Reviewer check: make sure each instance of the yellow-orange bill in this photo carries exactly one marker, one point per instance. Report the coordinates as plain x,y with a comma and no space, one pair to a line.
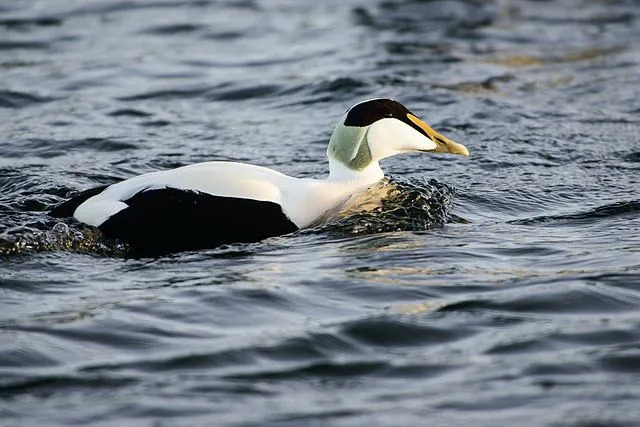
443,144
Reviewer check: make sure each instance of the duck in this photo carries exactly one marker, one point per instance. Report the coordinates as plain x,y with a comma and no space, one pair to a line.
209,204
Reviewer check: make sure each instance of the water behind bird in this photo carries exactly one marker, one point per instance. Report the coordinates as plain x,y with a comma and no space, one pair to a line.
514,297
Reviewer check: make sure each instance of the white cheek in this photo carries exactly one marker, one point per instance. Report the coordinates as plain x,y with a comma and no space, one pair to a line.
391,136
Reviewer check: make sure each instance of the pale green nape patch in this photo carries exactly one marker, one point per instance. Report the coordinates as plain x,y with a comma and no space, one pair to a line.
349,146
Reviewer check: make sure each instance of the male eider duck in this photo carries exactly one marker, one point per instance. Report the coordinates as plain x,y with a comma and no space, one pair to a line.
208,204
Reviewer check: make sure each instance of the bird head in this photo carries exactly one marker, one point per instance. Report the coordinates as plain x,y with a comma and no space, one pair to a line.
378,128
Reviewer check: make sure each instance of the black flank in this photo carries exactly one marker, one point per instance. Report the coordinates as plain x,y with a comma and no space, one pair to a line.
162,221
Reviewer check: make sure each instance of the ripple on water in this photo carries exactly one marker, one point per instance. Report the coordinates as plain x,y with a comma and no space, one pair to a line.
15,99
514,297
47,385
24,23
173,29
397,333
626,209
562,297
129,112
49,148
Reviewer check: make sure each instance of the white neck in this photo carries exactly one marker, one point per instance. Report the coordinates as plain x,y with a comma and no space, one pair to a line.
341,173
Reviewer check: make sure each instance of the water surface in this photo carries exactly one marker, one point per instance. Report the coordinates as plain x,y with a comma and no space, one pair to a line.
502,289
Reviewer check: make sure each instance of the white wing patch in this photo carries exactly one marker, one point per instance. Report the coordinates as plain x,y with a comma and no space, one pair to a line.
94,211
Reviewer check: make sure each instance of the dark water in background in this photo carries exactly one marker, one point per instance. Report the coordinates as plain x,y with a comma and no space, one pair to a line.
524,309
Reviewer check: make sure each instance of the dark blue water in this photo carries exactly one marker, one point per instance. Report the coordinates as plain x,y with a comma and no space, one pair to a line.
502,289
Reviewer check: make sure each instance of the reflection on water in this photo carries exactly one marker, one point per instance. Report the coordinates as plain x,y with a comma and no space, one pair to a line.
496,288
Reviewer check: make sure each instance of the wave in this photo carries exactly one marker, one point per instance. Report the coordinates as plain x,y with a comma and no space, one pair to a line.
611,210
